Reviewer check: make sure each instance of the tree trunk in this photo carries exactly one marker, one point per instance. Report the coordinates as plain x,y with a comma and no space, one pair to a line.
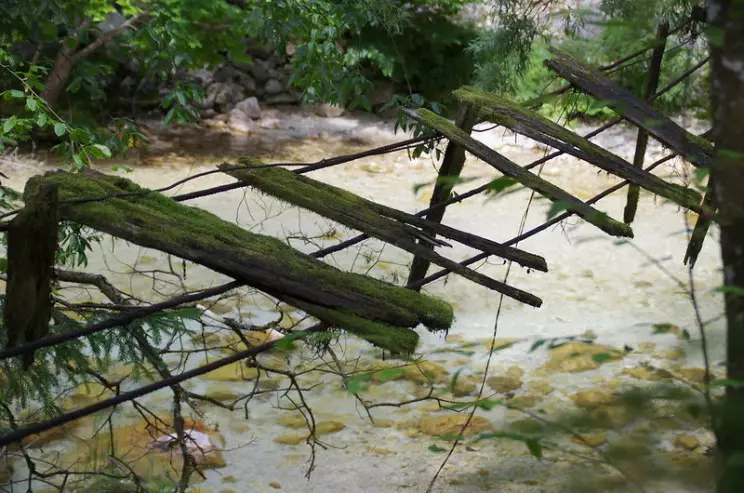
57,80
727,49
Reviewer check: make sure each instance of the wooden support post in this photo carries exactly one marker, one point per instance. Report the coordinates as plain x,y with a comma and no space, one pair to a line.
32,244
701,226
452,164
654,72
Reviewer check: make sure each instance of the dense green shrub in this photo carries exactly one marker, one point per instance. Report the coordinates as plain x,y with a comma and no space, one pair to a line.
427,56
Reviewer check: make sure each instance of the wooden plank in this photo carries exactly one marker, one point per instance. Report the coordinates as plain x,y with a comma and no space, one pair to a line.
366,216
529,180
366,305
696,150
652,83
452,164
541,129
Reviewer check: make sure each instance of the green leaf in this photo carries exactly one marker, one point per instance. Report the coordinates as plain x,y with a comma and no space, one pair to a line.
664,328
78,159
389,374
355,384
3,265
534,447
727,382
537,344
557,207
487,404
453,381
190,313
9,124
500,184
436,448
31,104
100,151
287,342
418,186
16,93
59,129
732,290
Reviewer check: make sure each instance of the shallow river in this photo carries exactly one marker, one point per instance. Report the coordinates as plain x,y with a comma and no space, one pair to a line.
595,287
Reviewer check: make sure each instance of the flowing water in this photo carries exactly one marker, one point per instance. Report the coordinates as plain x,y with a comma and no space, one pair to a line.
596,286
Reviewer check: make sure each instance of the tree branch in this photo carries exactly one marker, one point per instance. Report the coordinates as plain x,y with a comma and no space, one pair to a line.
107,37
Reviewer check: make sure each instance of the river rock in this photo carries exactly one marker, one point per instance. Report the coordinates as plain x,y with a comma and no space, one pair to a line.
150,451
590,399
424,372
229,73
576,357
593,440
250,107
509,382
273,86
648,373
382,92
85,394
257,68
321,428
451,424
240,122
694,375
234,372
225,95
686,442
327,110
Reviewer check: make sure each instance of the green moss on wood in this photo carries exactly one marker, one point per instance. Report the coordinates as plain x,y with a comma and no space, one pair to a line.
533,125
382,222
547,189
156,221
399,341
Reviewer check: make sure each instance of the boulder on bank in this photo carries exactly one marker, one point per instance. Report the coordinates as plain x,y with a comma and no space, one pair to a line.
250,107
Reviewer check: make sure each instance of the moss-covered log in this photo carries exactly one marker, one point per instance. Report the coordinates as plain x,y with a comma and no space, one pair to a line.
529,180
351,301
537,127
382,222
695,149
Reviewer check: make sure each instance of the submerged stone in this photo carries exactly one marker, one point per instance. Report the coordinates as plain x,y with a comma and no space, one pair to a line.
451,425
234,372
576,357
590,399
687,442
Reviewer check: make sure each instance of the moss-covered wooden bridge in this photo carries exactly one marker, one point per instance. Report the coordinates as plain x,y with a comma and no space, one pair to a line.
379,312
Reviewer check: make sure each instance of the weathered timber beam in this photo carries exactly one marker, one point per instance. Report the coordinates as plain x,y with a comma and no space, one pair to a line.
696,150
450,169
535,126
366,216
697,238
155,221
529,180
652,83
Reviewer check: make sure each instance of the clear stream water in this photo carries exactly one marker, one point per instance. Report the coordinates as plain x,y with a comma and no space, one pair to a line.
617,291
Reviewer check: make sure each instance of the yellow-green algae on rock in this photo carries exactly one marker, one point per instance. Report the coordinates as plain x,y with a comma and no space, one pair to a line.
372,309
